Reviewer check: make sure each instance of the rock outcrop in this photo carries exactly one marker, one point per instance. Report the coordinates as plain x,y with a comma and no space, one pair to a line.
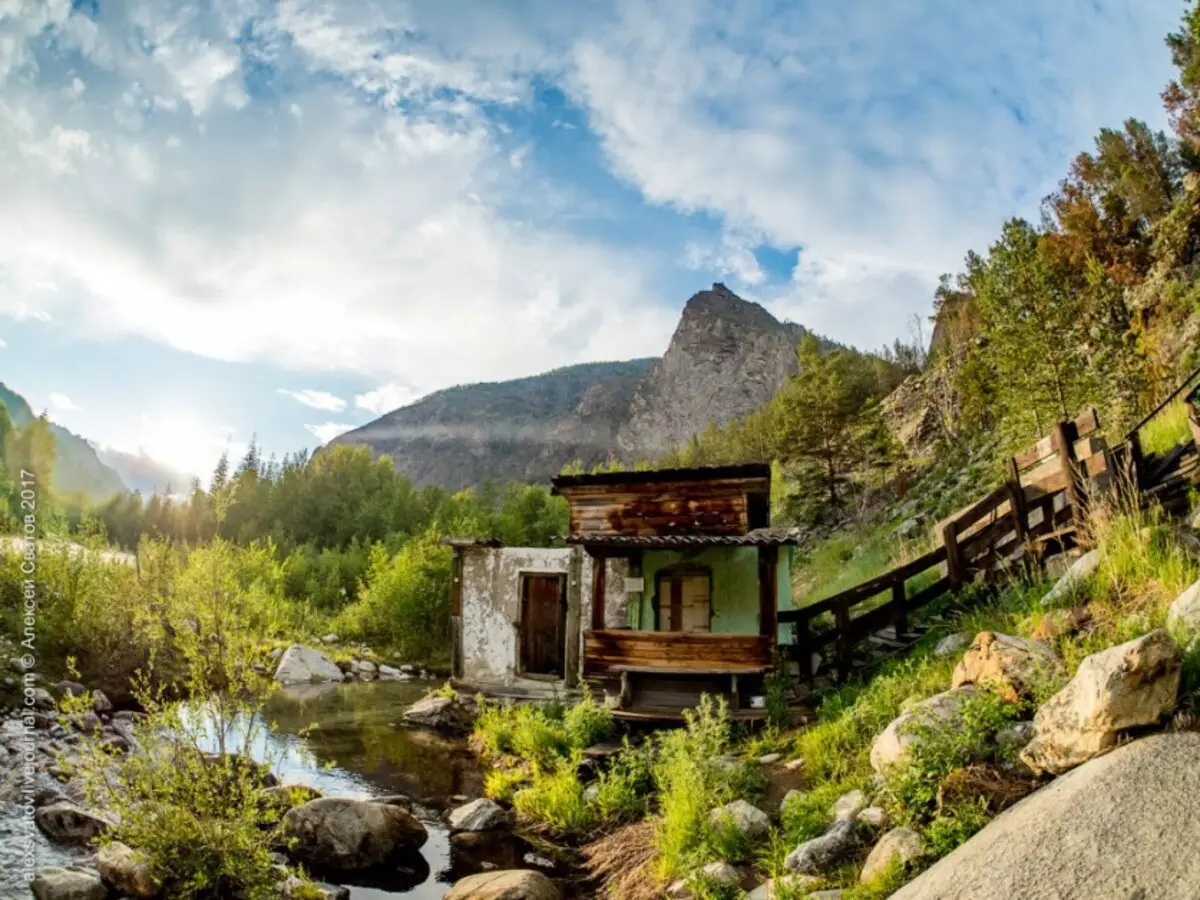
64,821
67,884
1126,686
478,815
1183,618
1009,665
832,847
1118,827
126,871
341,834
750,821
449,714
892,746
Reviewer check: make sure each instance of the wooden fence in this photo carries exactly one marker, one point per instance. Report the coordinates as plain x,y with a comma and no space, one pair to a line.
1038,506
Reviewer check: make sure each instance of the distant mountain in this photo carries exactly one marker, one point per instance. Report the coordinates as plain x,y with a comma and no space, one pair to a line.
727,357
77,468
141,473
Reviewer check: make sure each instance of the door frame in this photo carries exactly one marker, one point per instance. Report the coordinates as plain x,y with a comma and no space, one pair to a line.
523,579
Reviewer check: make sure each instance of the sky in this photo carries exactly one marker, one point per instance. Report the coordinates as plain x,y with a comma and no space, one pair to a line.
277,219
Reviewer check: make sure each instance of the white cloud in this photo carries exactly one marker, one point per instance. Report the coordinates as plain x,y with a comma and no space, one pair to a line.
369,235
322,400
62,403
385,398
885,139
327,431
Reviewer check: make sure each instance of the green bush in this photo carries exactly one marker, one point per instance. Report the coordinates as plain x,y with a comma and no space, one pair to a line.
588,723
404,601
623,790
555,801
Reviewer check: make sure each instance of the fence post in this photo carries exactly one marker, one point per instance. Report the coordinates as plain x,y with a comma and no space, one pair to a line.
899,600
845,647
1064,434
800,640
954,565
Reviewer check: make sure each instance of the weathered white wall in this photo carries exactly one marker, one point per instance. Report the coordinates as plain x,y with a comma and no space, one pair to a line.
491,604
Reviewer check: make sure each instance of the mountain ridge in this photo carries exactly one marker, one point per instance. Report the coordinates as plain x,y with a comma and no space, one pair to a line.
726,357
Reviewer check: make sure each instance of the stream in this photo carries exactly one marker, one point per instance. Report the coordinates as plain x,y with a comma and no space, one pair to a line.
358,749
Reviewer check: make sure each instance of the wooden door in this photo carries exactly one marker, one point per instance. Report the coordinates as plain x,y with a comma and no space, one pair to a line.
687,602
543,624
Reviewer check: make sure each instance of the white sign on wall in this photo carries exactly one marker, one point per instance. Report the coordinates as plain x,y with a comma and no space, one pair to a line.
635,585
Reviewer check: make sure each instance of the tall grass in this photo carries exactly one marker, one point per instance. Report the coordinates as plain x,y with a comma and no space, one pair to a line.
1166,430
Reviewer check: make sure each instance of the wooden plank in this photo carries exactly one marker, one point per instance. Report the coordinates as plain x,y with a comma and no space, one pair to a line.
931,592
985,539
976,511
954,562
574,605
768,605
867,589
1065,433
845,642
599,575
726,669
1082,426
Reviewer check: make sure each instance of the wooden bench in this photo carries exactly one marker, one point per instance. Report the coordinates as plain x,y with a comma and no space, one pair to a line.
733,670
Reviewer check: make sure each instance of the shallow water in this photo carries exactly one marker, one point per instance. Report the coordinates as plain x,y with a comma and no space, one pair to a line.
359,749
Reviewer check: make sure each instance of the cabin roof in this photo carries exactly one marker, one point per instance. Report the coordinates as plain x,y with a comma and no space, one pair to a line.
471,542
759,537
696,473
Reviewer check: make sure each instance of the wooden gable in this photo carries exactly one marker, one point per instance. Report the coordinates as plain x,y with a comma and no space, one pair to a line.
730,500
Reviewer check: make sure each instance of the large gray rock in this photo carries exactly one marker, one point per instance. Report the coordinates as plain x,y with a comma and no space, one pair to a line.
1009,665
512,884
827,850
1119,827
952,644
67,884
293,888
892,746
341,834
71,824
303,665
440,712
126,871
748,819
1183,618
1123,687
849,805
1081,570
478,815
901,844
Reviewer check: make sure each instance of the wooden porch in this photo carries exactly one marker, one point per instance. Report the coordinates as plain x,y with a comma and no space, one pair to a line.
655,675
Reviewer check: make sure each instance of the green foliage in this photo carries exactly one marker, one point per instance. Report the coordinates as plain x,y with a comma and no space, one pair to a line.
405,599
954,824
555,801
623,790
778,694
1166,430
502,784
913,790
588,723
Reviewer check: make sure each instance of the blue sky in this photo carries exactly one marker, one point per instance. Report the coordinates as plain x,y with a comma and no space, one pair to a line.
284,217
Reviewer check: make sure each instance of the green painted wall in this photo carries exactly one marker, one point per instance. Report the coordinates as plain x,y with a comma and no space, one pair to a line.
735,587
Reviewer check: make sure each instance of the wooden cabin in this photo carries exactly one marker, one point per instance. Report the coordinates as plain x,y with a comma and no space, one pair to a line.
706,579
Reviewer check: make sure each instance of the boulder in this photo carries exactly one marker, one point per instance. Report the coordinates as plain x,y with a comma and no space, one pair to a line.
1126,686
126,871
832,847
512,884
367,666
342,834
1183,618
329,639
478,815
873,816
1081,570
388,672
100,702
721,873
294,888
1011,665
1118,827
70,824
903,844
439,711
952,644
69,689
303,665
849,805
67,884
748,819
770,759
892,746
43,699
790,797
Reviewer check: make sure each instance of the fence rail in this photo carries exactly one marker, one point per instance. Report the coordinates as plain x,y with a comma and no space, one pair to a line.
1037,507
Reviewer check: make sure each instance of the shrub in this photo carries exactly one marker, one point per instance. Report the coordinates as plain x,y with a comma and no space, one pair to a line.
501,785
914,789
623,790
588,723
554,801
